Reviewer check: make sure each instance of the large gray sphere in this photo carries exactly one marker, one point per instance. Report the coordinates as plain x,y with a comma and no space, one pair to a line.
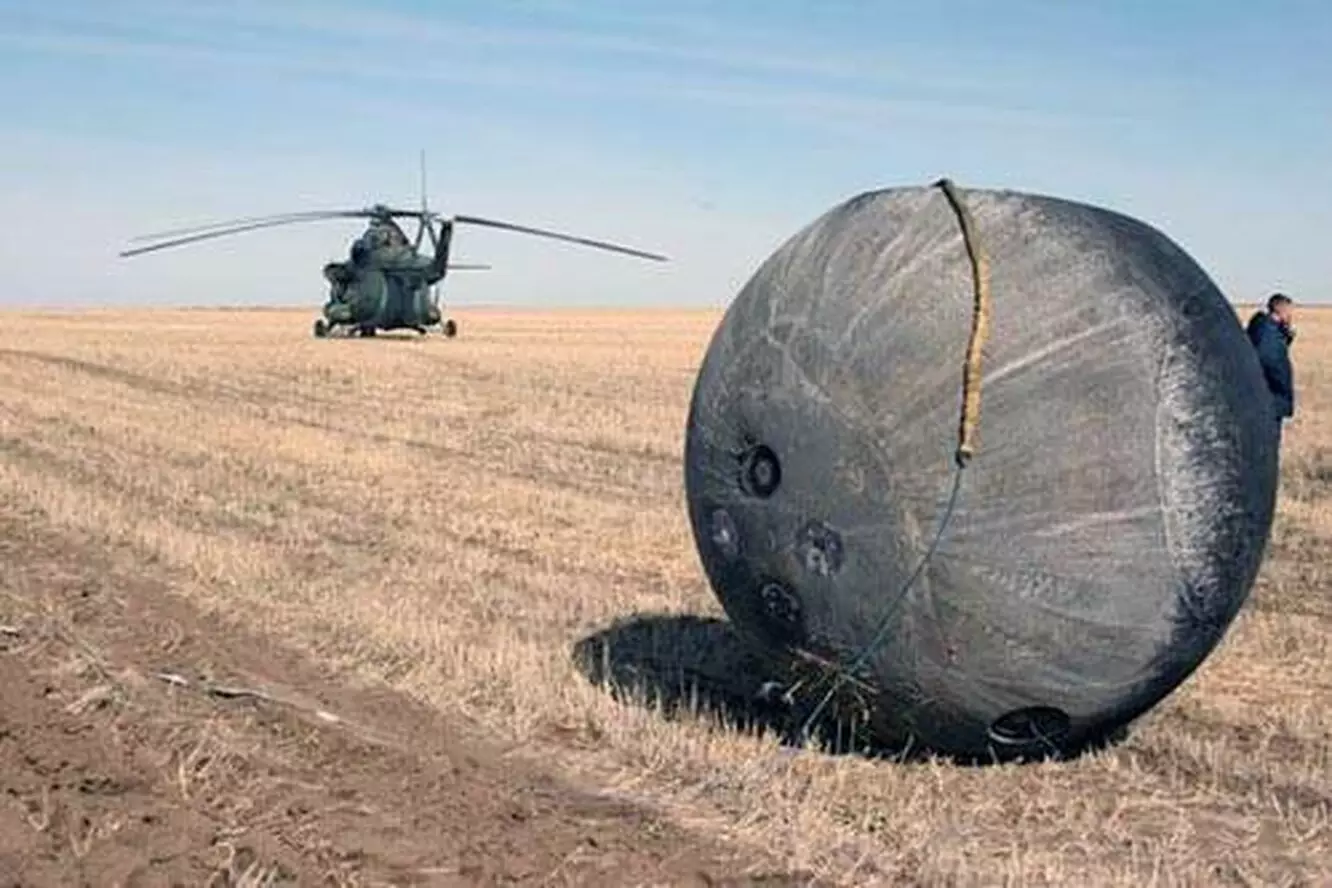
1109,527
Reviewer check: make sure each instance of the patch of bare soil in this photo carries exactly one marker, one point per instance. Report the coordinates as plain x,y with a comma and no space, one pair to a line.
143,745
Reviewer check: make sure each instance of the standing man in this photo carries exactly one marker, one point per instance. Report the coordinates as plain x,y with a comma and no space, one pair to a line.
1271,333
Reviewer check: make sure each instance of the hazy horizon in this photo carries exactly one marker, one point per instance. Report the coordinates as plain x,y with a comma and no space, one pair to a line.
710,134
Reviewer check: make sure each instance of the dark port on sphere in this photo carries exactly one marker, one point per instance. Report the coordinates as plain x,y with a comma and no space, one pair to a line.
1033,726
760,472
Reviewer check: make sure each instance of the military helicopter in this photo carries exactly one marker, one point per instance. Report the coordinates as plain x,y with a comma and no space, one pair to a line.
387,283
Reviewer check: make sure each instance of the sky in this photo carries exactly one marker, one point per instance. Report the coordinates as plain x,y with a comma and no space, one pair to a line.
711,132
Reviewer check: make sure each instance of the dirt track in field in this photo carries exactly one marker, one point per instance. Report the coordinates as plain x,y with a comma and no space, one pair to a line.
141,744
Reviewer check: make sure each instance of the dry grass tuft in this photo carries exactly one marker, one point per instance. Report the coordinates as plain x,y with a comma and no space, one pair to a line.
487,522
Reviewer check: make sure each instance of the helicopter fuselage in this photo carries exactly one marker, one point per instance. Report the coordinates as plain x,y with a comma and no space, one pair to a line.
385,284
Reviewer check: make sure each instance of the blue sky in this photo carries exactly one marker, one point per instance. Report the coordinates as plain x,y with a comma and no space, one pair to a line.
708,131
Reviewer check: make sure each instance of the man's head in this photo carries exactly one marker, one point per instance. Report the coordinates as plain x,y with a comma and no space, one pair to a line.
1282,308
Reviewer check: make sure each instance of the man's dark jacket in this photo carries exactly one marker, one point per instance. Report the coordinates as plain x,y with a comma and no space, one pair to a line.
1271,340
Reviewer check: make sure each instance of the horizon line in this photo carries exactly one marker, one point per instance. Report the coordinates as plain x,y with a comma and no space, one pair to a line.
1310,304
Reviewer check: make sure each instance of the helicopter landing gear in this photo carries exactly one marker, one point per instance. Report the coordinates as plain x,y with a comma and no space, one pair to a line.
320,328
449,328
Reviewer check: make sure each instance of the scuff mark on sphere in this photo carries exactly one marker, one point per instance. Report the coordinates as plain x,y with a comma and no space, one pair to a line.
820,549
725,536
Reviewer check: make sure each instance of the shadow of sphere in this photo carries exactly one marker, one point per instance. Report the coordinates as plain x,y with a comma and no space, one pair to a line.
690,666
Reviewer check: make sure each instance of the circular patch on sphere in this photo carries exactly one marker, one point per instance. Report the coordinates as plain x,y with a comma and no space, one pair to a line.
1109,526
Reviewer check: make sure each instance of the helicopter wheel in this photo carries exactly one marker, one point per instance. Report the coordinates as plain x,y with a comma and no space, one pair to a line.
320,328
449,328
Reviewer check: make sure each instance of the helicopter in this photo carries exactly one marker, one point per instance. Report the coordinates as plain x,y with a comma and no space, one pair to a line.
386,283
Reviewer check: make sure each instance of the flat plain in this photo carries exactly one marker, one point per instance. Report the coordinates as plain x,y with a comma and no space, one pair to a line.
277,610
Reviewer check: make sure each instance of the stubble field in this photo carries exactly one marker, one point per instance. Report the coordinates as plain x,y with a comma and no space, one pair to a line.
274,608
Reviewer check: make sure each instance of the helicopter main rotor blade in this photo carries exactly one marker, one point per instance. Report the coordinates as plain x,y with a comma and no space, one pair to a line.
229,223
541,232
365,212
238,229
468,267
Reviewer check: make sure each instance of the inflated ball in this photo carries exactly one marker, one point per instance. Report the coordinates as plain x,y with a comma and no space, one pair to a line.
1019,571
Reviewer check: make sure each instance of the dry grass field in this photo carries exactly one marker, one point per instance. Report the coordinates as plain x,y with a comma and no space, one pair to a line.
339,612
